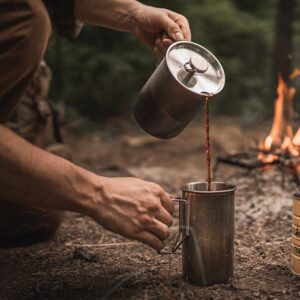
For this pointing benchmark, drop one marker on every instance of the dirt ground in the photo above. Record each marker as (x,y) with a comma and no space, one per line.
(84,261)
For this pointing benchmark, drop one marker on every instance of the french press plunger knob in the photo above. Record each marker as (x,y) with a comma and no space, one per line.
(196,65)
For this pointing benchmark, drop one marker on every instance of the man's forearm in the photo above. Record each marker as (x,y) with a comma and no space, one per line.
(32,177)
(114,14)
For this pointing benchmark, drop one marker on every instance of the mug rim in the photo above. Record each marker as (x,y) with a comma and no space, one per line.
(230,188)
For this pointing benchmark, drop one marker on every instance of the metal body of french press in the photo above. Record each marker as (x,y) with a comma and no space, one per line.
(175,91)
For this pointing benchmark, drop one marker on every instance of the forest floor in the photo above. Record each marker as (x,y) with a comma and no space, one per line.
(84,261)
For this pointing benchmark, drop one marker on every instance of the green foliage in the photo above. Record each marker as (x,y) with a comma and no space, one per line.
(242,41)
(296,42)
(101,73)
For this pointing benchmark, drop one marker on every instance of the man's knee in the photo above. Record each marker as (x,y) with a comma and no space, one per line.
(45,225)
(20,227)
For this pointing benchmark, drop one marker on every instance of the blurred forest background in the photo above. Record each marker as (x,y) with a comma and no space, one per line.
(100,74)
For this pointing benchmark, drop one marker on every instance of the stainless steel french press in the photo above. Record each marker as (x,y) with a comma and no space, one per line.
(175,92)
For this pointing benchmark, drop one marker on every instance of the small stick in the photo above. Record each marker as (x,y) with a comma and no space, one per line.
(101,245)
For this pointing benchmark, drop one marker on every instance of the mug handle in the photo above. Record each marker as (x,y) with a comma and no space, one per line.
(183,227)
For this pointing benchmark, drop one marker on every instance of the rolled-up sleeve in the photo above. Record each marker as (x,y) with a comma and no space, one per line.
(64,19)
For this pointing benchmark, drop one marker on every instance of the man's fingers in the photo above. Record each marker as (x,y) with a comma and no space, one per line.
(159,229)
(185,28)
(172,28)
(150,240)
(146,37)
(167,203)
(183,24)
(164,216)
(160,47)
(167,42)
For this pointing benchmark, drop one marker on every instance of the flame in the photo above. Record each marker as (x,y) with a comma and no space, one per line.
(260,156)
(287,145)
(270,158)
(296,138)
(268,143)
(278,120)
(264,147)
(275,145)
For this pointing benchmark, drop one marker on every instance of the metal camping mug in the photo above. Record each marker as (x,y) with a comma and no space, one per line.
(295,255)
(206,232)
(176,90)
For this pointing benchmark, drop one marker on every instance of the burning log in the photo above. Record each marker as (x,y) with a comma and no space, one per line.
(245,162)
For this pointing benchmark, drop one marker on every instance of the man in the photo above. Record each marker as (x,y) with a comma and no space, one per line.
(36,186)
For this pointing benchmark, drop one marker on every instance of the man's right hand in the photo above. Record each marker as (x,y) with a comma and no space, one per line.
(136,209)
(35,179)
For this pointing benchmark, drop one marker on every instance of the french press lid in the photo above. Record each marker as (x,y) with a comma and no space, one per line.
(196,68)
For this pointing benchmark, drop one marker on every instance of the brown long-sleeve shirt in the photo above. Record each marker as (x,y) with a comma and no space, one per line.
(24,32)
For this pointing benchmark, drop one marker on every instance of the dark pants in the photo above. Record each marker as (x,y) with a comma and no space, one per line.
(24,33)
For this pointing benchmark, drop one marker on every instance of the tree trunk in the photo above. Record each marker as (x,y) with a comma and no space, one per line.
(283,39)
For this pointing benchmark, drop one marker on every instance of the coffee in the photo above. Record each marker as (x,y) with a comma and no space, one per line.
(207,143)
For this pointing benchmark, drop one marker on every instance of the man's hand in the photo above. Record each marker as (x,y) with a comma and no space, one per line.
(155,27)
(35,179)
(136,209)
(159,28)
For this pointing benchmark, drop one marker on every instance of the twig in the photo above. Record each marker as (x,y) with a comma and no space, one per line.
(101,245)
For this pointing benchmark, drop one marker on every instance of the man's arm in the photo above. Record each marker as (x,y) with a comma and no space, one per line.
(131,207)
(114,14)
(155,27)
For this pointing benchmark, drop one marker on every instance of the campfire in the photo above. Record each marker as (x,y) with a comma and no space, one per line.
(281,140)
(281,147)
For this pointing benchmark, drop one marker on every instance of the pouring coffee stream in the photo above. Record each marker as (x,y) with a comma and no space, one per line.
(207,143)
(197,66)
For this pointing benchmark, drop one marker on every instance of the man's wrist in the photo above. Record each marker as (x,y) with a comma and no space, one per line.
(133,10)
(115,14)
(86,192)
